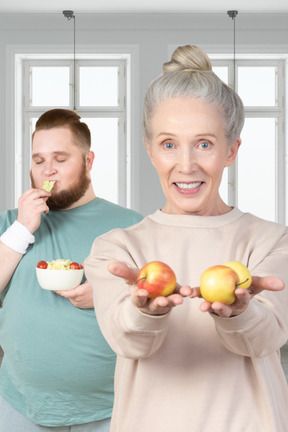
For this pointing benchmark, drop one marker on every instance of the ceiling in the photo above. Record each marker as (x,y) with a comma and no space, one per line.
(146,6)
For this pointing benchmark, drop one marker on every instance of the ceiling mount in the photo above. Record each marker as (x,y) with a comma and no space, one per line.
(232,13)
(69,14)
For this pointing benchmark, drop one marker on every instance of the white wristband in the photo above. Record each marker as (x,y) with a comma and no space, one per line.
(17,237)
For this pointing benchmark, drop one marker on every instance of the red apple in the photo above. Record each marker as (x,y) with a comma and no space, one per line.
(157,278)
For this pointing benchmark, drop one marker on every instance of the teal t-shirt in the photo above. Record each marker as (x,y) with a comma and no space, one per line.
(57,368)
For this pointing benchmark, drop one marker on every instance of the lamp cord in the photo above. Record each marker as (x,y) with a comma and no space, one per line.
(69,14)
(74,65)
(234,55)
(232,14)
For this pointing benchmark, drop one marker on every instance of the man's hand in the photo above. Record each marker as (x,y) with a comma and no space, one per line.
(243,296)
(156,306)
(81,296)
(30,207)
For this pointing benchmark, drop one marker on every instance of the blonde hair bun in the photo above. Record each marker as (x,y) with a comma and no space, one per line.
(188,58)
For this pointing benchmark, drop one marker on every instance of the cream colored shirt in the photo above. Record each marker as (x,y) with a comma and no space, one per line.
(190,371)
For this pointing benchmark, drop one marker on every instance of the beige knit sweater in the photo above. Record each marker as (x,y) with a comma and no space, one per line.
(190,371)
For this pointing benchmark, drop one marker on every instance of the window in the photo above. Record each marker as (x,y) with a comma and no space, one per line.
(256,182)
(100,97)
(104,101)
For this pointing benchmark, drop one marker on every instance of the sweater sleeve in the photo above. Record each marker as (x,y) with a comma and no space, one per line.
(130,333)
(263,327)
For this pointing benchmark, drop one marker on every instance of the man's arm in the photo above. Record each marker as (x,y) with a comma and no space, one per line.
(9,259)
(15,240)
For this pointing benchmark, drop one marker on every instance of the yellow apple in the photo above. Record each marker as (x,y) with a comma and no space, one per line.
(157,278)
(244,274)
(218,283)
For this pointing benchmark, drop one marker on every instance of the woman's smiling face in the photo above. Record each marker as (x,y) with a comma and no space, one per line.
(189,151)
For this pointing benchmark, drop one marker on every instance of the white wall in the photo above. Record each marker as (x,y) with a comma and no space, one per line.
(153,34)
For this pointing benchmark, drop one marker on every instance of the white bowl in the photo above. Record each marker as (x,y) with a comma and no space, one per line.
(59,280)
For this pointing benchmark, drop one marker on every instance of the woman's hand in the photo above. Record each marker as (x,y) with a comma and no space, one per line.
(243,296)
(81,296)
(156,306)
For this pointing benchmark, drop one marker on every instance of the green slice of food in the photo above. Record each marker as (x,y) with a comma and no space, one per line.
(48,185)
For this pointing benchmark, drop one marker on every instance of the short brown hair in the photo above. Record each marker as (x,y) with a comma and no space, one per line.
(62,118)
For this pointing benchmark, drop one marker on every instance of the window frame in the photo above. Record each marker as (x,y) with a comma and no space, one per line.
(277,112)
(118,112)
(16,129)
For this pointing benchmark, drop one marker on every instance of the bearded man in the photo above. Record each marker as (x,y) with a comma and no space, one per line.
(57,371)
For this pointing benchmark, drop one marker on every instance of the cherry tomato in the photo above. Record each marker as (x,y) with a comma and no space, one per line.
(42,264)
(75,266)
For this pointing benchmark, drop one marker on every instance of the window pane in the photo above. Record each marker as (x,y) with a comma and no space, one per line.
(257,85)
(98,86)
(33,122)
(256,168)
(50,86)
(104,175)
(221,72)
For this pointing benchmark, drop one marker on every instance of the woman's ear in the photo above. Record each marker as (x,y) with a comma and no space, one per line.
(147,146)
(232,152)
(149,151)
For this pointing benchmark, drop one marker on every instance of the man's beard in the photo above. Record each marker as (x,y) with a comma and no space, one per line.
(65,198)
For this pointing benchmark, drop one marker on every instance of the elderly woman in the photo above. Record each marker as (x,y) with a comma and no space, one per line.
(185,364)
